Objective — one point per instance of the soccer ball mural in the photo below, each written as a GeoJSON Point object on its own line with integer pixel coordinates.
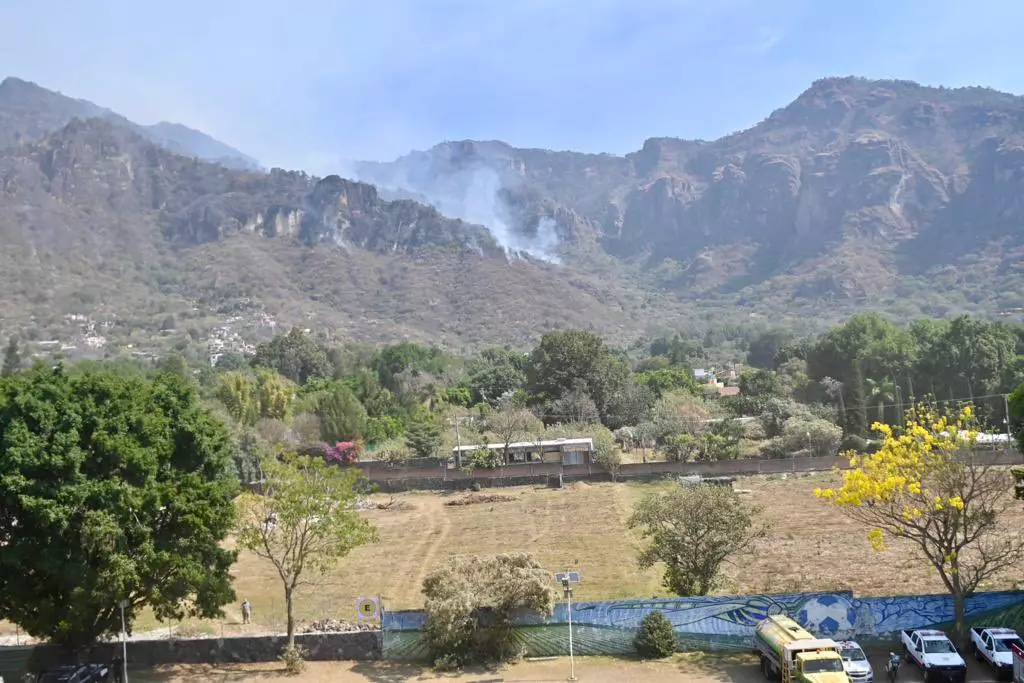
{"type": "Point", "coordinates": [827, 616]}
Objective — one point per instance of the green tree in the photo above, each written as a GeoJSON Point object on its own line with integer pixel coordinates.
{"type": "Point", "coordinates": [656, 637]}
{"type": "Point", "coordinates": [666, 380]}
{"type": "Point", "coordinates": [236, 391]}
{"type": "Point", "coordinates": [761, 384]}
{"type": "Point", "coordinates": [342, 416]}
{"type": "Point", "coordinates": [497, 373]}
{"type": "Point", "coordinates": [470, 605]}
{"type": "Point", "coordinates": [12, 358]}
{"type": "Point", "coordinates": [424, 438]}
{"type": "Point", "coordinates": [763, 351]}
{"type": "Point", "coordinates": [694, 531]}
{"type": "Point", "coordinates": [303, 523]}
{"type": "Point", "coordinates": [114, 488]}
{"type": "Point", "coordinates": [295, 356]}
{"type": "Point", "coordinates": [574, 360]}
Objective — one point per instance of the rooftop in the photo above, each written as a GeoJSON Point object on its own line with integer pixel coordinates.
{"type": "Point", "coordinates": [588, 442]}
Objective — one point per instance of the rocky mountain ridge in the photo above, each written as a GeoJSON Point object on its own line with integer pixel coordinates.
{"type": "Point", "coordinates": [839, 195]}
{"type": "Point", "coordinates": [28, 112]}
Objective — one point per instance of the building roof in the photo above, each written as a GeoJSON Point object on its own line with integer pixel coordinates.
{"type": "Point", "coordinates": [588, 442]}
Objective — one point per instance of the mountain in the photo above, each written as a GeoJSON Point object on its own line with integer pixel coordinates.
{"type": "Point", "coordinates": [28, 112]}
{"type": "Point", "coordinates": [859, 193]}
{"type": "Point", "coordinates": [96, 219]}
{"type": "Point", "coordinates": [880, 194]}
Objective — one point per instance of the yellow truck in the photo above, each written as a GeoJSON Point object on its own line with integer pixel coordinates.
{"type": "Point", "coordinates": [792, 655]}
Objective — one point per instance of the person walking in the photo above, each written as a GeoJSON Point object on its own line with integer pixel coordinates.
{"type": "Point", "coordinates": [246, 612]}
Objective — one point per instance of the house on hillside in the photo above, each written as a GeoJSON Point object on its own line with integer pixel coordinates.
{"type": "Point", "coordinates": [560, 451]}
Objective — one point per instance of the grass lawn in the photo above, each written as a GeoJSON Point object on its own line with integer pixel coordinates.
{"type": "Point", "coordinates": [812, 547]}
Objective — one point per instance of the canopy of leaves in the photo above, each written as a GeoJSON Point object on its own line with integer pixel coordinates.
{"type": "Point", "coordinates": [111, 488]}
{"type": "Point", "coordinates": [921, 487]}
{"type": "Point", "coordinates": [694, 530]}
{"type": "Point", "coordinates": [295, 356]}
{"type": "Point", "coordinates": [471, 601]}
{"type": "Point", "coordinates": [574, 360]}
{"type": "Point", "coordinates": [304, 522]}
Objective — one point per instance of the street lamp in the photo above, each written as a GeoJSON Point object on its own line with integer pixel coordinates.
{"type": "Point", "coordinates": [124, 643]}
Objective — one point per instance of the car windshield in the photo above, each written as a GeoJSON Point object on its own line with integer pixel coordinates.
{"type": "Point", "coordinates": [1003, 644]}
{"type": "Point", "coordinates": [853, 654]}
{"type": "Point", "coordinates": [817, 666]}
{"type": "Point", "coordinates": [938, 646]}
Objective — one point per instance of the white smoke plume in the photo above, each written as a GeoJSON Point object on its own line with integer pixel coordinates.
{"type": "Point", "coordinates": [471, 193]}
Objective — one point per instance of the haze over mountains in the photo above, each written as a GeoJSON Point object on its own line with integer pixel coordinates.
{"type": "Point", "coordinates": [881, 194]}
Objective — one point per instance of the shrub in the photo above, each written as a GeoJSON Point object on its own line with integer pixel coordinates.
{"type": "Point", "coordinates": [656, 638]}
{"type": "Point", "coordinates": [853, 442]}
{"type": "Point", "coordinates": [294, 659]}
{"type": "Point", "coordinates": [818, 436]}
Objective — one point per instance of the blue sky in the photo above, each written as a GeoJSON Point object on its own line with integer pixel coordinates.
{"type": "Point", "coordinates": [304, 83]}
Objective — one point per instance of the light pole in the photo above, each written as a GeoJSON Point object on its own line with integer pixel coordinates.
{"type": "Point", "coordinates": [567, 579]}
{"type": "Point", "coordinates": [124, 643]}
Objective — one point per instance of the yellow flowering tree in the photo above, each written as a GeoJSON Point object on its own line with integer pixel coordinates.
{"type": "Point", "coordinates": [924, 485]}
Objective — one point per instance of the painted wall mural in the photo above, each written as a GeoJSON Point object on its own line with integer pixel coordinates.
{"type": "Point", "coordinates": [726, 623]}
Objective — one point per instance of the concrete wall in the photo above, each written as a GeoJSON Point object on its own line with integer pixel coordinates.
{"type": "Point", "coordinates": [360, 646]}
{"type": "Point", "coordinates": [392, 479]}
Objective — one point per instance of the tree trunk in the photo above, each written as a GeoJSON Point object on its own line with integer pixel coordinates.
{"type": "Point", "coordinates": [960, 625]}
{"type": "Point", "coordinates": [289, 605]}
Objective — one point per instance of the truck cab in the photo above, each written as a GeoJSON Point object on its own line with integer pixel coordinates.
{"type": "Point", "coordinates": [856, 663]}
{"type": "Point", "coordinates": [792, 655]}
{"type": "Point", "coordinates": [993, 646]}
{"type": "Point", "coordinates": [933, 653]}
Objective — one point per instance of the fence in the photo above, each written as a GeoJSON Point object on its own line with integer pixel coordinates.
{"type": "Point", "coordinates": [726, 623]}
{"type": "Point", "coordinates": [392, 477]}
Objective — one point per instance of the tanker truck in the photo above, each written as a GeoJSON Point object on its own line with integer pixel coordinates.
{"type": "Point", "coordinates": [792, 655]}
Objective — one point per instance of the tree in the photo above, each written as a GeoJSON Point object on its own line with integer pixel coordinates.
{"type": "Point", "coordinates": [574, 360]}
{"type": "Point", "coordinates": [470, 604]}
{"type": "Point", "coordinates": [114, 488]}
{"type": "Point", "coordinates": [510, 423]}
{"type": "Point", "coordinates": [764, 349]}
{"type": "Point", "coordinates": [761, 384]}
{"type": "Point", "coordinates": [12, 358]}
{"type": "Point", "coordinates": [497, 373]}
{"type": "Point", "coordinates": [295, 356]}
{"type": "Point", "coordinates": [918, 487]}
{"type": "Point", "coordinates": [424, 438]}
{"type": "Point", "coordinates": [342, 416]}
{"type": "Point", "coordinates": [630, 405]}
{"type": "Point", "coordinates": [818, 436]}
{"type": "Point", "coordinates": [694, 531]}
{"type": "Point", "coordinates": [656, 637]}
{"type": "Point", "coordinates": [304, 522]}
{"type": "Point", "coordinates": [606, 451]}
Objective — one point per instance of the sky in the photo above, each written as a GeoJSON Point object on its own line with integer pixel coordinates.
{"type": "Point", "coordinates": [309, 83]}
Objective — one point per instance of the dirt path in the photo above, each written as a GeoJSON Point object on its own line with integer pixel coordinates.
{"type": "Point", "coordinates": [406, 571]}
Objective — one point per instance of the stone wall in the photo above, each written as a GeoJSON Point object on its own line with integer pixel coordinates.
{"type": "Point", "coordinates": [393, 479]}
{"type": "Point", "coordinates": [360, 646]}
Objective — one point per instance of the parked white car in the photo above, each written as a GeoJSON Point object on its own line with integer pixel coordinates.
{"type": "Point", "coordinates": [855, 662]}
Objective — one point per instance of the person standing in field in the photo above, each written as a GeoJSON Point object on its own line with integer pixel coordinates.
{"type": "Point", "coordinates": [246, 612]}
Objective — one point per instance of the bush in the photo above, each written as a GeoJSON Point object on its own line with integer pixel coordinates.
{"type": "Point", "coordinates": [853, 442]}
{"type": "Point", "coordinates": [818, 436]}
{"type": "Point", "coordinates": [294, 659]}
{"type": "Point", "coordinates": [656, 638]}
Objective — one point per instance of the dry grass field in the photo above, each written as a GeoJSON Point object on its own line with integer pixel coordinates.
{"type": "Point", "coordinates": [812, 547]}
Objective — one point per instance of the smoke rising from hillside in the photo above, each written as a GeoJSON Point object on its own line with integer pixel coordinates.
{"type": "Point", "coordinates": [472, 193]}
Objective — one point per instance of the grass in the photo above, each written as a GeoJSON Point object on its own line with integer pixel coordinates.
{"type": "Point", "coordinates": [811, 547]}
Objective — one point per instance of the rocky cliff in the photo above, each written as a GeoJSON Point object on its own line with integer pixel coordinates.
{"type": "Point", "coordinates": [843, 194]}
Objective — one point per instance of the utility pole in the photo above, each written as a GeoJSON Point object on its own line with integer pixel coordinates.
{"type": "Point", "coordinates": [124, 643]}
{"type": "Point", "coordinates": [455, 421]}
{"type": "Point", "coordinates": [1006, 406]}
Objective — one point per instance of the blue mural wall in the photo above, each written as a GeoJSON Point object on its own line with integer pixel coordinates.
{"type": "Point", "coordinates": [726, 623]}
